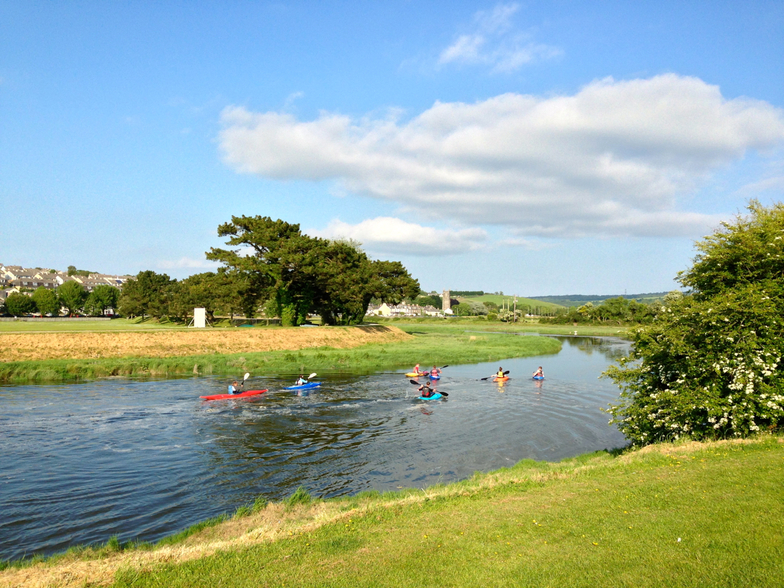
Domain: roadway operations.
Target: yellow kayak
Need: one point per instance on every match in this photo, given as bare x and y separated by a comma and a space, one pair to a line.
415, 375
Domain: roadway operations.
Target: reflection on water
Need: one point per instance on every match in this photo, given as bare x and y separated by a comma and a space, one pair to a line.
145, 459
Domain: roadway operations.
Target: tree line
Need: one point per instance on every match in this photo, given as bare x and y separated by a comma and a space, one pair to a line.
618, 310
70, 296
270, 267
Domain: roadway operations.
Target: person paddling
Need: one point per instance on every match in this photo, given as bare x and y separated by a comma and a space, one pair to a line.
539, 373
500, 373
301, 380
416, 370
435, 373
234, 388
425, 391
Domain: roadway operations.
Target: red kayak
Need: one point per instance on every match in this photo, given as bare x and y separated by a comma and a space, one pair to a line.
228, 396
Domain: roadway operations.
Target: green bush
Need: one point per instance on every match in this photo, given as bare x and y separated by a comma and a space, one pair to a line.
708, 365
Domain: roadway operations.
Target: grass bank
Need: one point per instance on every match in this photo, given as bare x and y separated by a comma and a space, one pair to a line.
529, 326
426, 344
686, 514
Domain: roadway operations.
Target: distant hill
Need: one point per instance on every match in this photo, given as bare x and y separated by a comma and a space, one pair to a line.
580, 299
537, 306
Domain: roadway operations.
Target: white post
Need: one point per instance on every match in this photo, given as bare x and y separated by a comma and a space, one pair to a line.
199, 318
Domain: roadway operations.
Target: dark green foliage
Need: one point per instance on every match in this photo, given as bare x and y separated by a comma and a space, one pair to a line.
72, 296
148, 294
618, 310
296, 274
19, 304
72, 271
429, 300
46, 301
217, 292
101, 298
708, 366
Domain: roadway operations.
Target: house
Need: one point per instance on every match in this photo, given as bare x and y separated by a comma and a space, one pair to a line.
402, 309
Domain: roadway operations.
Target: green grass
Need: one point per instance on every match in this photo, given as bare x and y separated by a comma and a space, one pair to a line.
137, 324
522, 303
471, 325
434, 344
668, 516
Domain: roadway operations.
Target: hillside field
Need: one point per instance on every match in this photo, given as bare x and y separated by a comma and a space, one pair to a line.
522, 303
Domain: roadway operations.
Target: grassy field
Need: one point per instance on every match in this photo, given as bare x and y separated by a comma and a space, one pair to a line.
472, 324
81, 326
424, 343
669, 515
522, 303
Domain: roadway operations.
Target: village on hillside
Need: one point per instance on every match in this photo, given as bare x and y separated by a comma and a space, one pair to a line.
17, 279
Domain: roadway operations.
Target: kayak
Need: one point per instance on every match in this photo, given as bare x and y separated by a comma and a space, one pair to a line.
435, 377
538, 377
435, 396
307, 386
504, 379
415, 375
245, 394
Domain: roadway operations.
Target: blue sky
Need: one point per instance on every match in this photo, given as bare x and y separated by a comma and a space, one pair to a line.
529, 147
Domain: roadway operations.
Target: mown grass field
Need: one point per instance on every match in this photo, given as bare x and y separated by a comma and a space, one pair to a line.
669, 515
89, 326
476, 324
259, 351
522, 303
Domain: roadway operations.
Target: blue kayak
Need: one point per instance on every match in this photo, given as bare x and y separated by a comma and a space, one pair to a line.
435, 396
538, 377
307, 386
434, 377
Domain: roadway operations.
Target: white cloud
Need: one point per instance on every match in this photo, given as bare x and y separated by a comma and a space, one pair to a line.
493, 41
392, 235
613, 159
187, 263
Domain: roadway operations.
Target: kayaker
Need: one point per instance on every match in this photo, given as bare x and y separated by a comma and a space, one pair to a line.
500, 373
301, 380
435, 372
425, 391
416, 370
234, 388
539, 373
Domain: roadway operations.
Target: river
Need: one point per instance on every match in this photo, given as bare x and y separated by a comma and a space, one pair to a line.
145, 459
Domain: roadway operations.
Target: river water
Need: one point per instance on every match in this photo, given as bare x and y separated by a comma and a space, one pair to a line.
145, 459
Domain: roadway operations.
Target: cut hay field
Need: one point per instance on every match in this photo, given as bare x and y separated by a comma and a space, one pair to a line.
165, 343
70, 357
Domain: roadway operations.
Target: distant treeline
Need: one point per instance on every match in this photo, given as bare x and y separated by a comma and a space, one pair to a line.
618, 310
580, 299
466, 293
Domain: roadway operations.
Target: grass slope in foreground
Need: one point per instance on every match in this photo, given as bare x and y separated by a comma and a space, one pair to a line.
682, 515
685, 514
429, 345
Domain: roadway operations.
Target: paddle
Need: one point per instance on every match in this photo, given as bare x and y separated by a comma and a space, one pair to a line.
313, 375
444, 394
494, 375
242, 385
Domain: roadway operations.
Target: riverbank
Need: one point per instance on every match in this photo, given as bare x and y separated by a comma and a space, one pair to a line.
68, 357
685, 514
